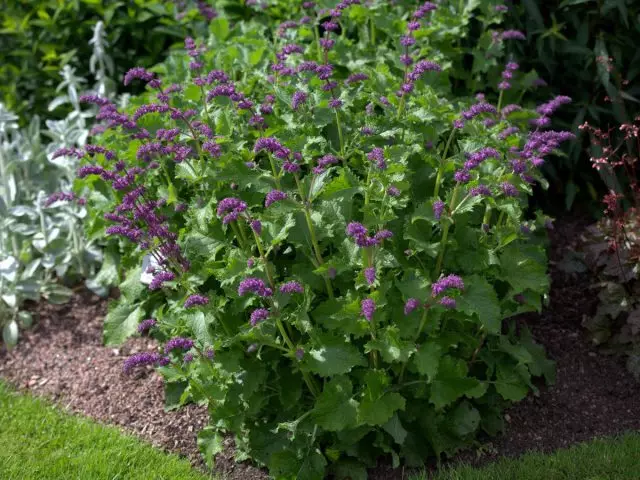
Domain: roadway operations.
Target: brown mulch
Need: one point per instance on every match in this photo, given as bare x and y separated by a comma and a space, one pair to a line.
63, 358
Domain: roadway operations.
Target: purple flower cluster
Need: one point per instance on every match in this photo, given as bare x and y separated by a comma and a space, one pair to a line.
255, 286
291, 287
480, 190
195, 300
324, 162
258, 315
138, 73
548, 109
146, 325
410, 305
370, 275
508, 189
274, 196
377, 155
360, 234
478, 109
438, 208
58, 197
368, 308
142, 360
299, 97
473, 161
231, 208
159, 279
178, 343
446, 283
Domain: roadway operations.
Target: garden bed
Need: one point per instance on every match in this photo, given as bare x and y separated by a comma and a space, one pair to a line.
63, 358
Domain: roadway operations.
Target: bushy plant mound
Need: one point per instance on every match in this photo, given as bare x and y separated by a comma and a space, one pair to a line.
611, 247
329, 243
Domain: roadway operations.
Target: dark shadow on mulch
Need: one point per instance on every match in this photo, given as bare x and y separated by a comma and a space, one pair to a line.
63, 358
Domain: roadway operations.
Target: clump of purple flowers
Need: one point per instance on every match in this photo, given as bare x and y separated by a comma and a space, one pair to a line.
254, 285
195, 300
146, 325
446, 283
178, 343
142, 360
360, 234
368, 308
258, 315
291, 287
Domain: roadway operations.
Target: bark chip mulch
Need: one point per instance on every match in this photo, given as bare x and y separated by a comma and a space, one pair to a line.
63, 358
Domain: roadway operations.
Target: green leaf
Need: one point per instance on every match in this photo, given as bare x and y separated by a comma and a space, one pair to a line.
333, 357
10, 334
131, 288
394, 428
335, 410
210, 444
391, 347
197, 322
509, 383
524, 267
286, 465
480, 298
427, 359
465, 419
451, 382
219, 27
121, 322
173, 393
378, 411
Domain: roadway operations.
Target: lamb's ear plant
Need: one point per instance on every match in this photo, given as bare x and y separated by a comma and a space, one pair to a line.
327, 253
43, 248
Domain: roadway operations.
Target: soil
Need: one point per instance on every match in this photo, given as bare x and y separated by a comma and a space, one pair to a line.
63, 358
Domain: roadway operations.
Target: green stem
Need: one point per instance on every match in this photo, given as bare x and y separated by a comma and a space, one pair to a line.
263, 257
316, 33
276, 177
500, 101
442, 163
423, 321
307, 379
445, 234
234, 227
373, 32
338, 124
487, 215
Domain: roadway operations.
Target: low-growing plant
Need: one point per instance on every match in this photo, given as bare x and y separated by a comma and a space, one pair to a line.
611, 247
41, 220
329, 245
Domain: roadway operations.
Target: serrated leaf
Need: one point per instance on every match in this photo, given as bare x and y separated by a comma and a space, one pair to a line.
480, 298
465, 419
121, 322
394, 428
378, 411
210, 443
335, 410
427, 359
390, 346
451, 382
509, 383
334, 357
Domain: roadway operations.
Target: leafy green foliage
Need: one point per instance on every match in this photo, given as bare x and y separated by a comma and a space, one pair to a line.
389, 345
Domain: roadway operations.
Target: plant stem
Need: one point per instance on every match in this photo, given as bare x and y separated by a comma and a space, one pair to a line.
234, 227
373, 32
316, 34
500, 100
276, 177
445, 234
307, 379
338, 124
442, 160
264, 259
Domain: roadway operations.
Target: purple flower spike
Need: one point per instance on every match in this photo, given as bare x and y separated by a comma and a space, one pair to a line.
159, 279
140, 360
178, 343
291, 287
256, 226
370, 275
393, 191
194, 300
509, 189
274, 196
368, 308
298, 99
438, 208
138, 72
448, 302
445, 283
355, 229
411, 305
377, 155
254, 285
258, 316
146, 325
188, 358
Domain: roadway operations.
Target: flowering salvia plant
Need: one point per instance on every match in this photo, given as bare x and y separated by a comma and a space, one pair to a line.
328, 246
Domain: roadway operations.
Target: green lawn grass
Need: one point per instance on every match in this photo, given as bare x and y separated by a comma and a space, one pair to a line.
606, 459
39, 441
